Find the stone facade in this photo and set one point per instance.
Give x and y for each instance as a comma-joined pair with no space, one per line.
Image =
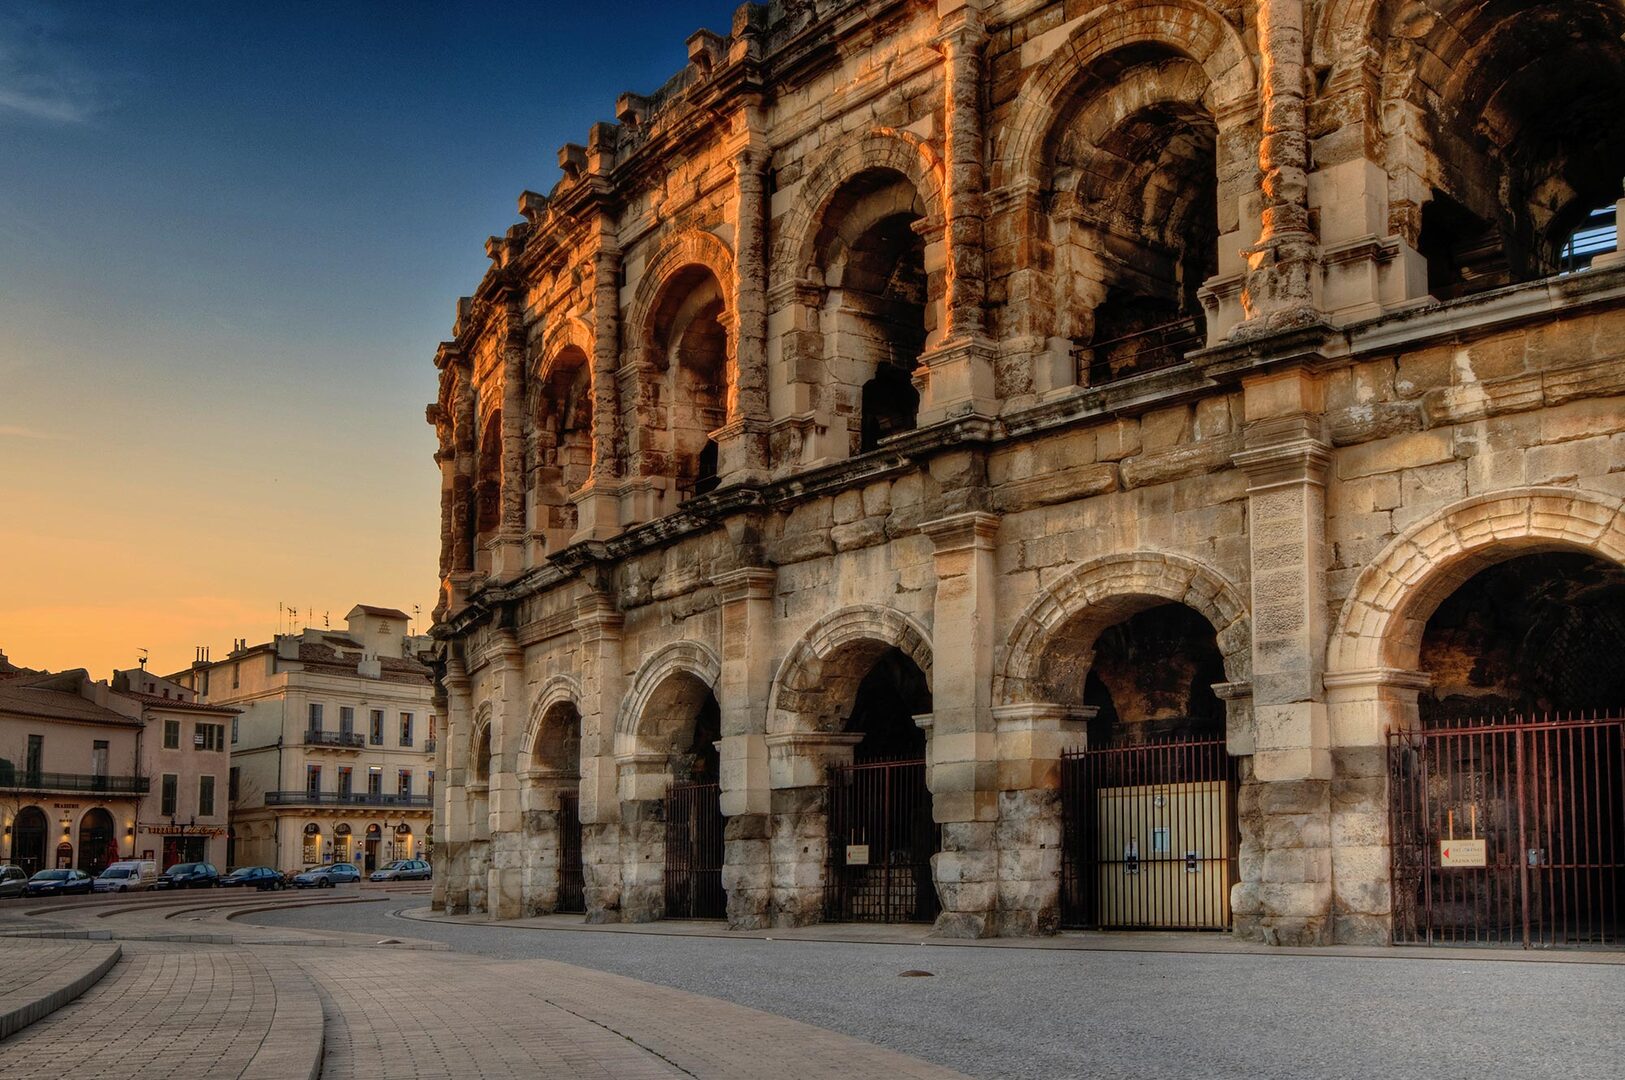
963,339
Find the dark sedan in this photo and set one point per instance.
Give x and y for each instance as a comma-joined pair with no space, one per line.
262,878
188,875
58,883
403,870
325,877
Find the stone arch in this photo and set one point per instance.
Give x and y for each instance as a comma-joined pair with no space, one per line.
1207,38
883,148
1381,623
804,692
693,247
691,658
569,332
1105,591
480,739
560,689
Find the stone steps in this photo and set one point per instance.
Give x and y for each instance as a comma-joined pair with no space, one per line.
39,978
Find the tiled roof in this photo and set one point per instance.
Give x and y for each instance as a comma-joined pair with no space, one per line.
161,702
34,695
380,612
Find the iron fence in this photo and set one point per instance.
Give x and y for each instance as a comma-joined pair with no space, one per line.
572,877
694,852
881,839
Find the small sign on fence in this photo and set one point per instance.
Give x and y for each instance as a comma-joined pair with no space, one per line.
1465,853
857,854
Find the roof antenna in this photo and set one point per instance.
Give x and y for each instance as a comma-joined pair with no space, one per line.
142,658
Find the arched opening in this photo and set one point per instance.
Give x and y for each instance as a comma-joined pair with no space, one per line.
1520,108
689,354
28,839
1149,826
343,843
486,507
480,763
1132,211
1509,826
98,846
872,257
562,423
557,764
882,834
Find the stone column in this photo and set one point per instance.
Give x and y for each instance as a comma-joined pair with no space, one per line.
1286,899
959,371
798,767
1030,739
598,624
1363,707
507,556
437,800
1278,292
643,778
963,753
742,690
742,443
539,790
598,515
454,833
505,880
464,439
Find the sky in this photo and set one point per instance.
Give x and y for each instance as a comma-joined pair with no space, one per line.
231,236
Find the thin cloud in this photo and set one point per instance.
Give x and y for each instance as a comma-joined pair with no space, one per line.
42,79
18,431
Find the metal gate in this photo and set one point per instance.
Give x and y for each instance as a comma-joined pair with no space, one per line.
1509,831
1148,836
694,852
572,879
881,839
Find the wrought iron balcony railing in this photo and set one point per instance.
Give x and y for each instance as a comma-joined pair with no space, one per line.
348,740
342,798
428,746
14,779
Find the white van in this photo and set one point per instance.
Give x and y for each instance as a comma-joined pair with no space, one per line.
129,876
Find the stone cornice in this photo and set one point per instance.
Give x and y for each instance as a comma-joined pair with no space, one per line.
749,583
957,532
1398,678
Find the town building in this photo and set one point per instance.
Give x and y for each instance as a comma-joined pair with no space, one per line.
91,773
1020,463
332,757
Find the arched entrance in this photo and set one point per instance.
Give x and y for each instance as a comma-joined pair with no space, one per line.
372,846
554,797
882,835
97,846
28,839
343,843
1509,822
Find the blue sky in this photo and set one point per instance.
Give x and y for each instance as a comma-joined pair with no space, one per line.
230,238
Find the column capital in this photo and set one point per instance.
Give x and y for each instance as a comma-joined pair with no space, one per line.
956,532
1300,461
749,583
1396,678
597,615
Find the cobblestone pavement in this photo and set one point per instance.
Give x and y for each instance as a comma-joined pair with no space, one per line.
1004,1012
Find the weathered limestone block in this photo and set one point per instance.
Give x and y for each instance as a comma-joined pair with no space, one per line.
966,874
601,871
799,847
747,871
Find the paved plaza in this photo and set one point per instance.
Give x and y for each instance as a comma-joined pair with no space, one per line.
366,984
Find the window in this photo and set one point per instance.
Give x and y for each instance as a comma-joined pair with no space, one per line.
406,729
346,719
405,786
233,782
205,685
315,717
167,802
375,780
98,757
236,676
345,773
234,720
209,737
36,753
313,779
376,735
205,796
431,783
172,734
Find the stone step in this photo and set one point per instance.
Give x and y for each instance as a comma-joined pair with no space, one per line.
38,978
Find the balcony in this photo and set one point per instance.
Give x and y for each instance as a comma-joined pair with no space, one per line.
340,740
343,798
428,745
14,779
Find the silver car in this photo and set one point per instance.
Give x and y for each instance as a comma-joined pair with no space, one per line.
12,880
403,870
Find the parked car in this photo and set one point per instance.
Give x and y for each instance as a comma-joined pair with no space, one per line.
12,880
403,870
325,877
57,883
188,875
129,875
262,878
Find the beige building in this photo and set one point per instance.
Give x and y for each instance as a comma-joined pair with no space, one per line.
1019,464
92,773
332,759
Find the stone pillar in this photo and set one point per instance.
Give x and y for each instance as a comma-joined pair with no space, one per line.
1030,739
742,690
959,371
963,754
504,881
1281,267
464,439
598,515
643,779
507,555
599,626
742,449
539,790
1286,898
798,766
1363,707
454,833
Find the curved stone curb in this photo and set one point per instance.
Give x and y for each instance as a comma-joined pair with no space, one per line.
292,1047
16,1016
